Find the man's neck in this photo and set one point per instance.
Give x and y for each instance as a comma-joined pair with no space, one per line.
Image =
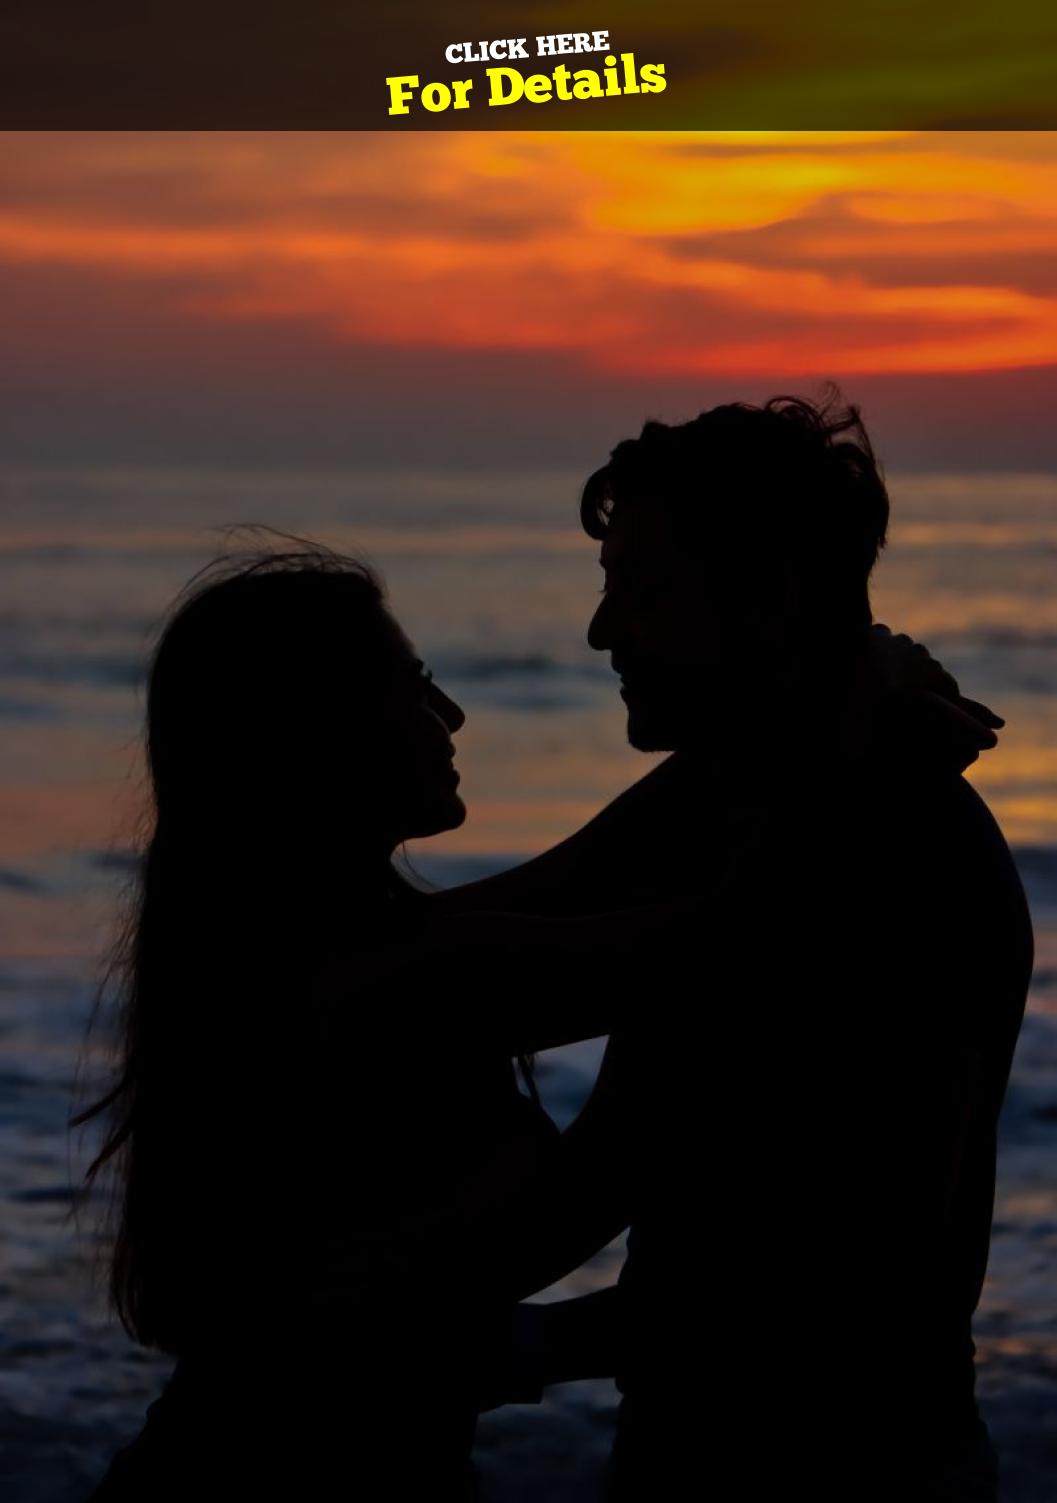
770,734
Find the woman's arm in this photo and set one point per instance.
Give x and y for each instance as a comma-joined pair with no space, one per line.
560,1342
630,852
504,1239
524,982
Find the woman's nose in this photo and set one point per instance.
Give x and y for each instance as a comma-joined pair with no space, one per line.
453,715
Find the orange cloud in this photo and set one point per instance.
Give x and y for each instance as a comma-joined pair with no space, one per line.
666,253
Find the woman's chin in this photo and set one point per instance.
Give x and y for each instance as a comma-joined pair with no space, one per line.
448,815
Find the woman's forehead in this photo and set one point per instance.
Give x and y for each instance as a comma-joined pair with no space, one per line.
403,649
407,663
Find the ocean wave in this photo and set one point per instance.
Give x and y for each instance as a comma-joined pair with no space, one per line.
1038,860
481,667
28,711
522,682
126,669
1037,865
61,875
439,870
1003,637
119,860
118,670
955,533
53,1194
14,880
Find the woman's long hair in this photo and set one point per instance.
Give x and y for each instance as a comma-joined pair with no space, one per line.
263,849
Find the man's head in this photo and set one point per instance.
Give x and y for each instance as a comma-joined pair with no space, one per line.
735,548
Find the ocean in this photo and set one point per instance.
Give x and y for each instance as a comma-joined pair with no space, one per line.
493,581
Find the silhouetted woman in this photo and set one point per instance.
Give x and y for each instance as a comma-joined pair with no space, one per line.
312,1104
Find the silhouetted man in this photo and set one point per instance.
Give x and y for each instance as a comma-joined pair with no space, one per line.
801,1116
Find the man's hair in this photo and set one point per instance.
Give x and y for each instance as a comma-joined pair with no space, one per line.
792,481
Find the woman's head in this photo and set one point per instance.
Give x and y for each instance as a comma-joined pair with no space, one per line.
283,691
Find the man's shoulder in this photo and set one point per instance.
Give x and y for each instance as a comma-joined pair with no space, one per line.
907,808
873,849
939,819
931,868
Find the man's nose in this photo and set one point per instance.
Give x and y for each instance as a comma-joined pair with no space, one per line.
599,633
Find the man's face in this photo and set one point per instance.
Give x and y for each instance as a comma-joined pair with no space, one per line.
689,629
652,623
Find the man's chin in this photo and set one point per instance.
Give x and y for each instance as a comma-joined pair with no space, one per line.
650,733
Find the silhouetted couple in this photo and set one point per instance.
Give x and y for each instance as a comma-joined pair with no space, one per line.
802,932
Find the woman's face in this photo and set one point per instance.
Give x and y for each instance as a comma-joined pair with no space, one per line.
419,757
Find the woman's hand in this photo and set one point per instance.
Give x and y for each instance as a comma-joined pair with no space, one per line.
904,666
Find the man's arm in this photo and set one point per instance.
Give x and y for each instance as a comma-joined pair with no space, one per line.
647,843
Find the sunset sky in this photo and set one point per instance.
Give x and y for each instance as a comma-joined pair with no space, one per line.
238,298
260,308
